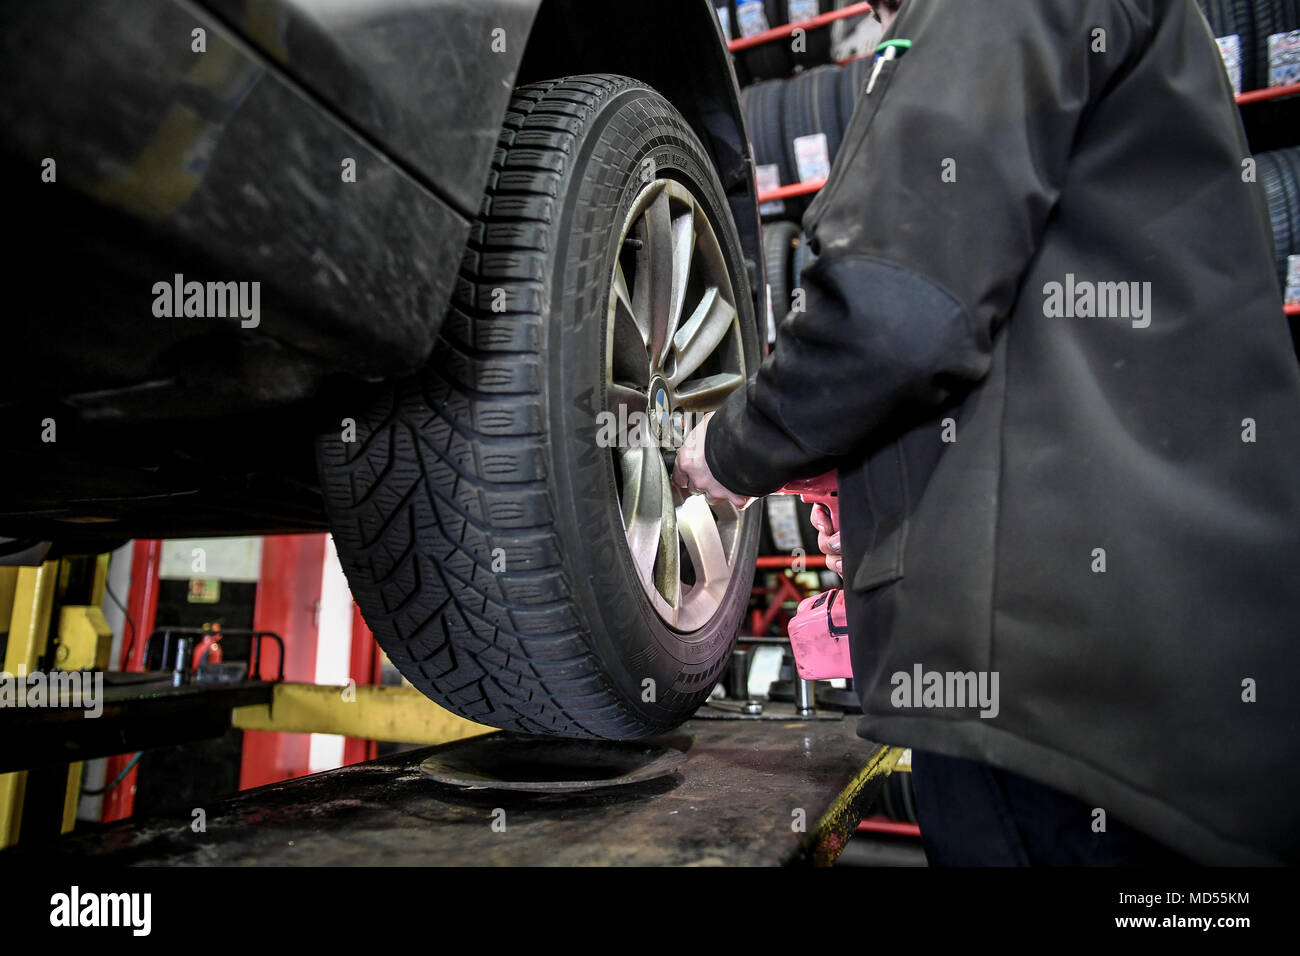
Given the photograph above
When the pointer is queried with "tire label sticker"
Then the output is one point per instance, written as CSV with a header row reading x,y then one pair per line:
x,y
751,17
803,10
783,519
1293,280
1230,50
813,156
1284,58
769,178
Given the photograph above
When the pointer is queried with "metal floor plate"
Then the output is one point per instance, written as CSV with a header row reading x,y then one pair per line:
x,y
542,765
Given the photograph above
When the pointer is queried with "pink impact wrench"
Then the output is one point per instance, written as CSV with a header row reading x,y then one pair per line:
x,y
819,632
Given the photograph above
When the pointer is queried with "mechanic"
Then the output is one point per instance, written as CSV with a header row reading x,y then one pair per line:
x,y
1100,505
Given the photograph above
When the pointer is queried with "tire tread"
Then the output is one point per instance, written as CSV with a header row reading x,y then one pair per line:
x,y
464,447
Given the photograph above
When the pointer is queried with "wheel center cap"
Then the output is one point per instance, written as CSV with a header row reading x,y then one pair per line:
x,y
659,408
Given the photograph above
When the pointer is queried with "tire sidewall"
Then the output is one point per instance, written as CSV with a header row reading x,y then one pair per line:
x,y
626,632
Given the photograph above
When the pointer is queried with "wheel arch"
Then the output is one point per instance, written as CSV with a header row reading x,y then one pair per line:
x,y
675,46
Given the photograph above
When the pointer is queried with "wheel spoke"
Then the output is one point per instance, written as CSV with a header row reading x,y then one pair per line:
x,y
643,480
706,394
636,313
702,333
671,312
660,258
703,541
621,396
631,360
683,252
668,571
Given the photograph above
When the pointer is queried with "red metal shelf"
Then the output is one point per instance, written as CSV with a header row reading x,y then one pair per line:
x,y
776,564
777,33
1272,93
1292,309
789,192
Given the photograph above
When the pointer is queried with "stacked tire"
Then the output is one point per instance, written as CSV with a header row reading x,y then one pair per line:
x,y
726,11
779,242
778,58
786,253
1272,17
780,112
787,527
1254,22
1279,175
787,521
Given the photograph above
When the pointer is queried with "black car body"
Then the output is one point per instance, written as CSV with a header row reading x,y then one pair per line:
x,y
333,152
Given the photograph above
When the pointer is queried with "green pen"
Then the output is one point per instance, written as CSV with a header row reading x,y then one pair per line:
x,y
891,50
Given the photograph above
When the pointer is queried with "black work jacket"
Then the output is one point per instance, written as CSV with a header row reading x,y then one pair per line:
x,y
1044,344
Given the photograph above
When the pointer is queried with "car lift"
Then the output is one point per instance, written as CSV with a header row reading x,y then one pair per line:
x,y
750,790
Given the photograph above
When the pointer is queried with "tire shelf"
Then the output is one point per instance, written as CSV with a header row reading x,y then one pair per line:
x,y
779,563
1268,93
812,23
791,191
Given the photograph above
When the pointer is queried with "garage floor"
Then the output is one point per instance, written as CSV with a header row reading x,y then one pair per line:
x,y
749,793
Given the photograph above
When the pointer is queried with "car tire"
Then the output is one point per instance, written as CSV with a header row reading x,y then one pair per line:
x,y
1279,175
803,258
787,527
797,119
773,59
817,46
779,240
767,102
733,29
1237,17
477,512
825,82
1241,14
853,78
1271,16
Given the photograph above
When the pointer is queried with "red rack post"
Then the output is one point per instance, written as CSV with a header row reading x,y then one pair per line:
x,y
142,605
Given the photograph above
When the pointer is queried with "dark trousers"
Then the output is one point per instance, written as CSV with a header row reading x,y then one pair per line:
x,y
972,814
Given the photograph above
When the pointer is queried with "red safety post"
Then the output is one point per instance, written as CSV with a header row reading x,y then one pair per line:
x,y
142,606
287,603
762,621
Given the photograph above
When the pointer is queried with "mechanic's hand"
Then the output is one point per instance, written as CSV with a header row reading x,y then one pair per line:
x,y
827,542
692,473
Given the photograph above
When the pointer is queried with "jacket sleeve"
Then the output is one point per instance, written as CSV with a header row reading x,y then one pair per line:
x,y
949,172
